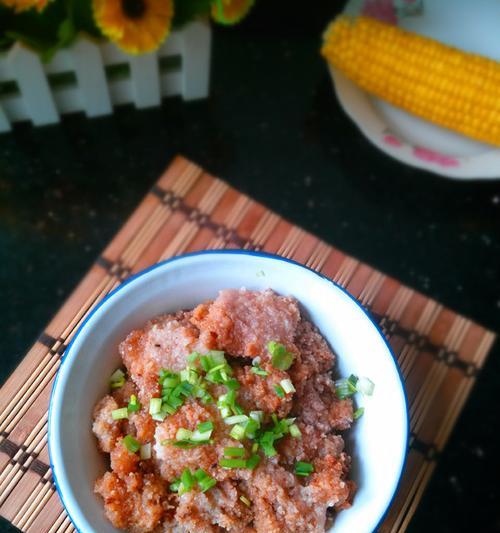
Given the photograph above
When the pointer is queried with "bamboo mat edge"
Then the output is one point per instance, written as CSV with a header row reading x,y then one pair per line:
x,y
199,198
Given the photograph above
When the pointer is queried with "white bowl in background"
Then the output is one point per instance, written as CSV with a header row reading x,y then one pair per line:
x,y
377,442
470,26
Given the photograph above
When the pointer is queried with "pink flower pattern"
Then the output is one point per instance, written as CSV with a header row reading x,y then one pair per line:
x,y
393,141
435,157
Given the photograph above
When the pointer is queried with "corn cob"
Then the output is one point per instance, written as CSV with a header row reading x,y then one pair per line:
x,y
452,88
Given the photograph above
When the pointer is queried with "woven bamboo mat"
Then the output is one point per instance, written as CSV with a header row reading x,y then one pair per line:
x,y
439,352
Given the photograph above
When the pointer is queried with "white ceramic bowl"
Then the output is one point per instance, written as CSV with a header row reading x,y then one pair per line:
x,y
377,443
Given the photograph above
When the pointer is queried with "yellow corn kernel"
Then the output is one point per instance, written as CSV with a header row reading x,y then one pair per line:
x,y
455,89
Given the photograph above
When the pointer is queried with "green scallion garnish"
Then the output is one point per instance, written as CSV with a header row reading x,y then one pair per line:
x,y
280,357
205,482
346,387
233,463
154,406
237,432
117,379
133,404
245,500
256,369
236,419
279,391
205,426
232,451
295,431
187,479
131,444
287,386
251,428
358,413
119,414
175,485
183,434
253,461
303,469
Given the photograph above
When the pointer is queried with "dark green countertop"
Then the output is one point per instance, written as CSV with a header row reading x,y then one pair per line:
x,y
272,128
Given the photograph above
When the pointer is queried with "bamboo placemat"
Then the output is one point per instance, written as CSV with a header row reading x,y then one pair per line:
x,y
439,352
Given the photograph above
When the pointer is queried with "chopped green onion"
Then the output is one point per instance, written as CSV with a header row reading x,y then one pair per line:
x,y
159,417
133,405
170,383
217,356
237,409
346,387
246,501
184,444
259,371
279,391
358,413
303,469
365,386
287,386
200,474
258,416
253,461
295,431
187,479
251,427
174,402
205,426
131,444
225,412
174,486
166,409
154,406
232,451
236,419
205,362
145,451
117,379
192,357
238,432
205,482
199,436
267,443
232,384
280,357
184,389
233,463
216,368
183,434
255,447
119,414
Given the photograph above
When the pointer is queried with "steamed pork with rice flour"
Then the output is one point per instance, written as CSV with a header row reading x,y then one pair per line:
x,y
225,418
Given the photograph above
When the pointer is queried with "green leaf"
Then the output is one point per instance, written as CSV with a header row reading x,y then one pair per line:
x,y
83,19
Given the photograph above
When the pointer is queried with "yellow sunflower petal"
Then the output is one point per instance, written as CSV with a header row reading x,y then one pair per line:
x,y
140,33
230,11
23,5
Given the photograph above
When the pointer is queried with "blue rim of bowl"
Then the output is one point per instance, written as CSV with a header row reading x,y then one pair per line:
x,y
229,252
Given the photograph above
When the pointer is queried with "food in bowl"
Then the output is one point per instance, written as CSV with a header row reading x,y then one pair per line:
x,y
226,418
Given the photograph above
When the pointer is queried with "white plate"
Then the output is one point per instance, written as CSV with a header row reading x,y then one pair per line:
x,y
468,25
378,441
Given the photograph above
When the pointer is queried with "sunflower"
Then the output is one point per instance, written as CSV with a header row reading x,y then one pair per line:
x,y
230,11
136,26
24,5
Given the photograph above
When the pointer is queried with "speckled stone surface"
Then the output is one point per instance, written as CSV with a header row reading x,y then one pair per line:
x,y
272,128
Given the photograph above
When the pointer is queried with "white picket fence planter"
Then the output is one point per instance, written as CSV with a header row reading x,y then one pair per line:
x,y
93,76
